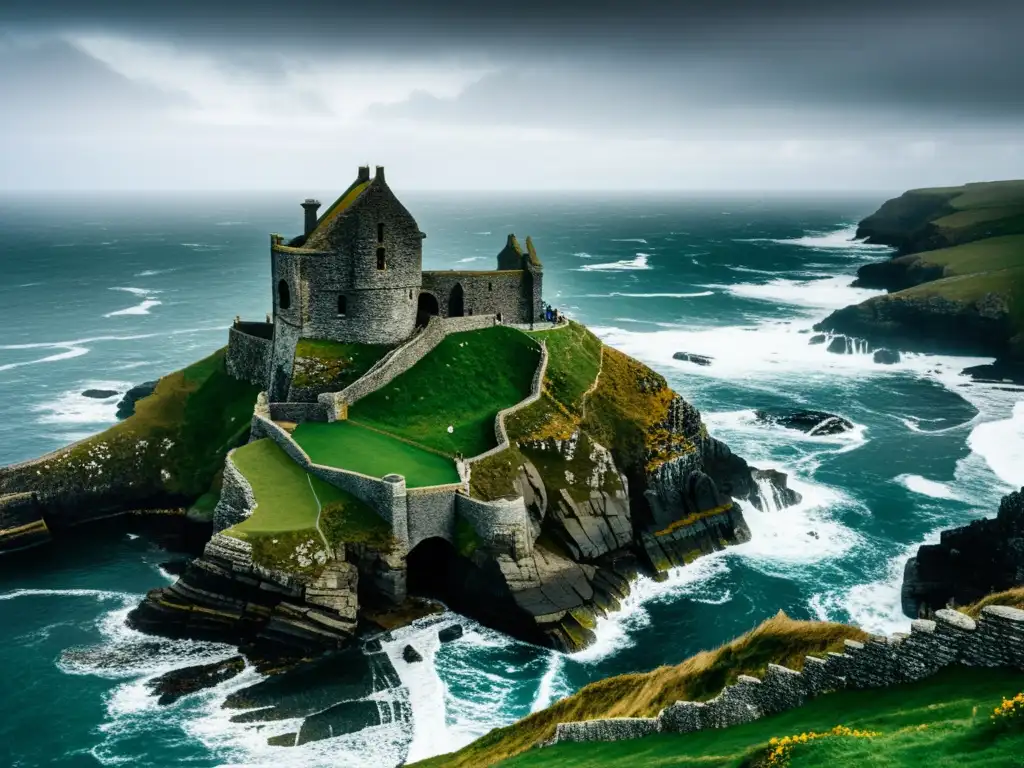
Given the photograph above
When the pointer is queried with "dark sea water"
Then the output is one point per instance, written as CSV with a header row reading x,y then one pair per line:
x,y
109,291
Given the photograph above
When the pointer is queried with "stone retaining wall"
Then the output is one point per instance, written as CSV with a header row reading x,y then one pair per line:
x,y
399,361
298,412
503,524
248,355
499,421
237,501
995,640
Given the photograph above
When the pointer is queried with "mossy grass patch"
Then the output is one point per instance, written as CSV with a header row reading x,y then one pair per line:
x,y
351,446
320,363
282,528
171,449
462,383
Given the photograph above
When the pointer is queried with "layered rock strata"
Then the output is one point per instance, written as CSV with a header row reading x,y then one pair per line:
x,y
969,562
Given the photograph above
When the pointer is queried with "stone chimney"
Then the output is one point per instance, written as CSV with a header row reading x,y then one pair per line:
x,y
364,174
379,176
310,206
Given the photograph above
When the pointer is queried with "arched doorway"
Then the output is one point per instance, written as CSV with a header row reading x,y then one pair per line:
x,y
434,570
284,296
456,302
426,307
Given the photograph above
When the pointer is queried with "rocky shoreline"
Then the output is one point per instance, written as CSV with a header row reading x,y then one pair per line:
x,y
968,563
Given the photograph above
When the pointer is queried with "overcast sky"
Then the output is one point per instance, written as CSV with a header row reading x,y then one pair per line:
x,y
453,94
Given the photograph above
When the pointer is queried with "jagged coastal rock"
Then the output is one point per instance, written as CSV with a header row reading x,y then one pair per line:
x,y
968,563
126,405
811,422
465,450
690,357
954,282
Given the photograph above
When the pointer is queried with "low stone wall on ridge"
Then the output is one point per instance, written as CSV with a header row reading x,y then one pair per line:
x,y
996,639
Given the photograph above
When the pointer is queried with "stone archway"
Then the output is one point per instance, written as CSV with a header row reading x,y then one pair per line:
x,y
426,307
456,301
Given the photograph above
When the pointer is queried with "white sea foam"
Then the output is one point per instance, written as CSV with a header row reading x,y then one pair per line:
x,y
824,293
785,540
697,581
638,263
766,353
471,258
152,272
481,233
72,407
138,309
746,421
583,255
98,594
1001,444
694,295
71,350
629,240
840,239
926,487
552,686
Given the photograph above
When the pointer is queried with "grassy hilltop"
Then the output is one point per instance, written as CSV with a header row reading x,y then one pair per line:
x,y
956,282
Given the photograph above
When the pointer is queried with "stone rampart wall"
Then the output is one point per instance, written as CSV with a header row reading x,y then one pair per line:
x,y
248,356
399,361
237,501
432,513
995,640
298,412
503,525
500,434
507,293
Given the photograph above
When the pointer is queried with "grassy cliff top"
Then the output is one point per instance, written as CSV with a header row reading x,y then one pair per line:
x,y
922,219
349,445
283,527
462,383
941,721
780,640
169,451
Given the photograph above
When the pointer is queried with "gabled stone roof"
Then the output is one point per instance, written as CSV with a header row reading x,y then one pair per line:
x,y
318,237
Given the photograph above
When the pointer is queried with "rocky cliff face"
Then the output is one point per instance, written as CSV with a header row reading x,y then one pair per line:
x,y
928,323
969,562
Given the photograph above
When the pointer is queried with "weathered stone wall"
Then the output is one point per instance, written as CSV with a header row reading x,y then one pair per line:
x,y
503,525
395,364
500,433
248,356
298,412
286,337
431,512
340,259
995,640
505,293
237,501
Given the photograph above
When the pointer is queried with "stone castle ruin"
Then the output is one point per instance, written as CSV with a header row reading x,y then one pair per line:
x,y
355,275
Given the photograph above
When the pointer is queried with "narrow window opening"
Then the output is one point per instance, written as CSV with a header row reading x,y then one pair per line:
x,y
381,261
471,311
284,296
410,295
342,305
380,233
490,286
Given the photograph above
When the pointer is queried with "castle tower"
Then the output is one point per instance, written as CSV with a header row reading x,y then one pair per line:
x,y
309,207
357,275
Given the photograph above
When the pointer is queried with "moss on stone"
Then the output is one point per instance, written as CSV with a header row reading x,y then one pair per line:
x,y
333,365
347,520
467,540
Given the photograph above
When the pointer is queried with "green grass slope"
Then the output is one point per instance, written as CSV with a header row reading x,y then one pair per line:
x,y
347,445
282,528
941,721
462,383
170,450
